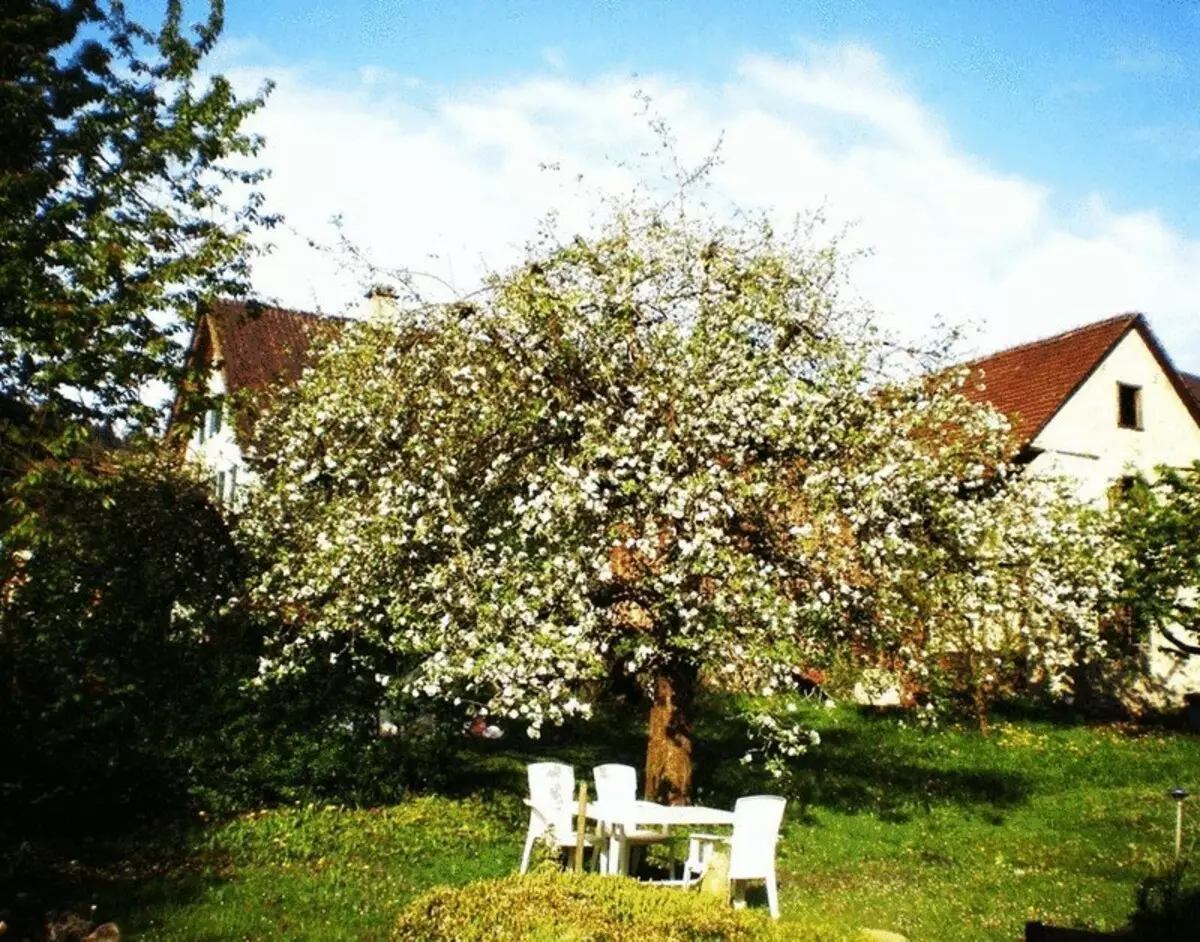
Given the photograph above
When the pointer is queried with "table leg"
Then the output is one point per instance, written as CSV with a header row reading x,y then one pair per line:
x,y
623,858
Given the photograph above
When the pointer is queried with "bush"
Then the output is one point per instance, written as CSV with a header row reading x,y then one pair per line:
x,y
548,905
126,652
1168,906
316,738
118,643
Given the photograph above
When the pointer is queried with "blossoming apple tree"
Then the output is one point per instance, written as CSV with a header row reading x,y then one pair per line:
x,y
662,448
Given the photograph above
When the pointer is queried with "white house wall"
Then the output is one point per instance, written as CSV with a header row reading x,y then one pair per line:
x,y
1084,440
219,453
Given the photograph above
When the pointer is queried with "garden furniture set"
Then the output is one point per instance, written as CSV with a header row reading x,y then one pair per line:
x,y
621,826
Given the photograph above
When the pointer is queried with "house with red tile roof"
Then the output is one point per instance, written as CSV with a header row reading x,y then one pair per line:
x,y
247,352
1095,404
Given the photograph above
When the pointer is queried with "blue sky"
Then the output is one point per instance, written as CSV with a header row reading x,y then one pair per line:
x,y
1083,115
1087,94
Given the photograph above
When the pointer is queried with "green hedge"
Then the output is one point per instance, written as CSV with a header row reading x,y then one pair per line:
x,y
548,905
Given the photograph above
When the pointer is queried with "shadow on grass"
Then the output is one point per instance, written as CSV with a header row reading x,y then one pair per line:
x,y
1168,910
99,878
863,767
854,771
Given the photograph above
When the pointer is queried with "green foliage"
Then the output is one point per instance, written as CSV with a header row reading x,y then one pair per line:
x,y
126,658
117,645
317,738
119,160
1158,529
550,905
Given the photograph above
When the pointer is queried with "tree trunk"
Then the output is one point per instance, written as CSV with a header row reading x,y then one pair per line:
x,y
669,750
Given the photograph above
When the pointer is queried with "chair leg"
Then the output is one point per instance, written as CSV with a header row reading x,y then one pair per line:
x,y
529,839
613,867
772,894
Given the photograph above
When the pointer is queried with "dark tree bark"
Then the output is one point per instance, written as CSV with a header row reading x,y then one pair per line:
x,y
669,749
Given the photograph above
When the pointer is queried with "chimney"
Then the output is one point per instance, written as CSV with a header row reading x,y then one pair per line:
x,y
381,302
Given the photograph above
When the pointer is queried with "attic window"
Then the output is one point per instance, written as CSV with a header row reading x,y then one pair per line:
x,y
1129,406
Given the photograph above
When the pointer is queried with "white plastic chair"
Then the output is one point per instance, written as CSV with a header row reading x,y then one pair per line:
x,y
551,808
616,788
756,823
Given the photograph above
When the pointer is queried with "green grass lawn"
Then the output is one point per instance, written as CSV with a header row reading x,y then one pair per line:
x,y
942,835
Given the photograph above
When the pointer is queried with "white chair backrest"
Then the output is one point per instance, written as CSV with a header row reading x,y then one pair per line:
x,y
551,785
616,785
756,823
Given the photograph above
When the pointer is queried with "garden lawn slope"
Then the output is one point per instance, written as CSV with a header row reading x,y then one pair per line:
x,y
939,836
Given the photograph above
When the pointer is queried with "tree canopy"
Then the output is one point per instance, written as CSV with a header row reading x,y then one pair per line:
x,y
665,448
126,201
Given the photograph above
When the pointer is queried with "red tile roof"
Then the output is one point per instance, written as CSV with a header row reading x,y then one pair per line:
x,y
1192,383
261,347
1031,382
258,348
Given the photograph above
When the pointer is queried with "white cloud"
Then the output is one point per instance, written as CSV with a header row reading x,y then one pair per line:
x,y
449,181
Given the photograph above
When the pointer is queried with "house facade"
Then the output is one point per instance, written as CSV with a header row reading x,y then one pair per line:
x,y
1096,405
246,353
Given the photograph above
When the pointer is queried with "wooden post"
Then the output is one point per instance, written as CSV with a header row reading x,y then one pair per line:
x,y
580,826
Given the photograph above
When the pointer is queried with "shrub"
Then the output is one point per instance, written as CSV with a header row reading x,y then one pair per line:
x,y
1168,905
126,654
118,643
316,738
548,905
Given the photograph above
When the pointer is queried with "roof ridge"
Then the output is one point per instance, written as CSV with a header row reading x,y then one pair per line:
x,y
315,315
1131,316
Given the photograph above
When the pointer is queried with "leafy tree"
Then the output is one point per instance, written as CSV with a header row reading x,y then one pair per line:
x,y
119,162
1158,531
668,447
117,650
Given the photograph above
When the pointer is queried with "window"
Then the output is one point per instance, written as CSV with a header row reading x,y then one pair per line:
x,y
232,484
220,486
1129,406
214,422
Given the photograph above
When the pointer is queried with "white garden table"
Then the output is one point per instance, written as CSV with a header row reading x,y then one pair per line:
x,y
616,819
